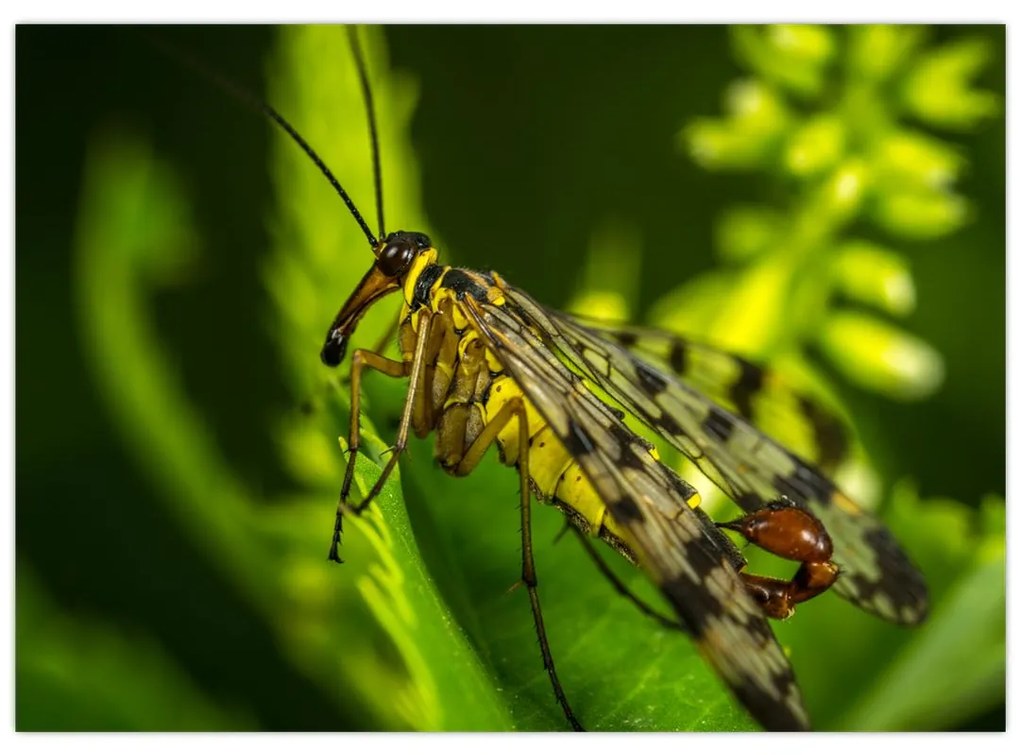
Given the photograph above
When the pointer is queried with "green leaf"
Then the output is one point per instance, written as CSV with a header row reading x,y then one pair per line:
x,y
621,670
966,632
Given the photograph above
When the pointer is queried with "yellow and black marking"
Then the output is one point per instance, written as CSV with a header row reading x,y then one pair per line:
x,y
488,366
762,398
748,465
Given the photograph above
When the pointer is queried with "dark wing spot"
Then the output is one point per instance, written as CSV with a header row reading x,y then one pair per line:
x,y
667,425
820,485
830,436
652,382
749,383
623,435
718,424
790,487
769,693
903,582
805,484
701,604
625,511
577,442
678,357
625,338
629,460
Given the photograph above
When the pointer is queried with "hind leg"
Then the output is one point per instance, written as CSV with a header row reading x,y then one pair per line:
x,y
511,411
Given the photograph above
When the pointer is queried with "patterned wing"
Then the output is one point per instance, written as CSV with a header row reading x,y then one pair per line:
x,y
673,544
749,466
762,397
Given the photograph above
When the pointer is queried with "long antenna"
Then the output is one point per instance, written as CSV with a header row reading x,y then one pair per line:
x,y
366,90
260,105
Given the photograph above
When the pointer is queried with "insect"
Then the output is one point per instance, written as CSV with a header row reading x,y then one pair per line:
x,y
488,366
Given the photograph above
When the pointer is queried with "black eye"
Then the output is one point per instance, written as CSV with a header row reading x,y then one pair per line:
x,y
395,257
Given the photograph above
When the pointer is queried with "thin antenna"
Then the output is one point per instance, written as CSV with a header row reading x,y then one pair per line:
x,y
256,103
366,90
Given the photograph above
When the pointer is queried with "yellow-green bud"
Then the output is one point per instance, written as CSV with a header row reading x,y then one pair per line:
x,y
815,146
909,158
920,214
872,274
938,89
880,356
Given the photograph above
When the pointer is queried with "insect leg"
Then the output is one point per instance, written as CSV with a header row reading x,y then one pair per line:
x,y
514,409
362,359
792,533
621,588
378,349
359,361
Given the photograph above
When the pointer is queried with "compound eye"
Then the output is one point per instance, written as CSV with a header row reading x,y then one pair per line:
x,y
395,258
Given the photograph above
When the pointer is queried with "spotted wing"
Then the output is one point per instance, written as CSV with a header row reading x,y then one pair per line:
x,y
760,396
748,465
673,544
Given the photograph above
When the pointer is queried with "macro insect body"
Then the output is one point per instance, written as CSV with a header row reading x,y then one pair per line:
x,y
486,365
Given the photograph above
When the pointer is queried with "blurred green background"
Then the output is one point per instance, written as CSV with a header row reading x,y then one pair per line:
x,y
177,263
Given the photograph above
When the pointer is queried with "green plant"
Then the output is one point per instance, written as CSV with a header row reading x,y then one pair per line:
x,y
831,116
417,630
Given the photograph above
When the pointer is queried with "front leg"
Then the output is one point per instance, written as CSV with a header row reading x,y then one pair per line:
x,y
362,359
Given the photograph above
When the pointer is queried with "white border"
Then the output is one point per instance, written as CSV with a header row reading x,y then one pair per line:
x,y
633,11
19,11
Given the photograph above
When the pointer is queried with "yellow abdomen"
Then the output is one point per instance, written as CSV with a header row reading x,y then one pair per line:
x,y
555,474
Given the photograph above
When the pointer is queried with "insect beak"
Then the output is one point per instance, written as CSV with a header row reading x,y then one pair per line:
x,y
374,285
